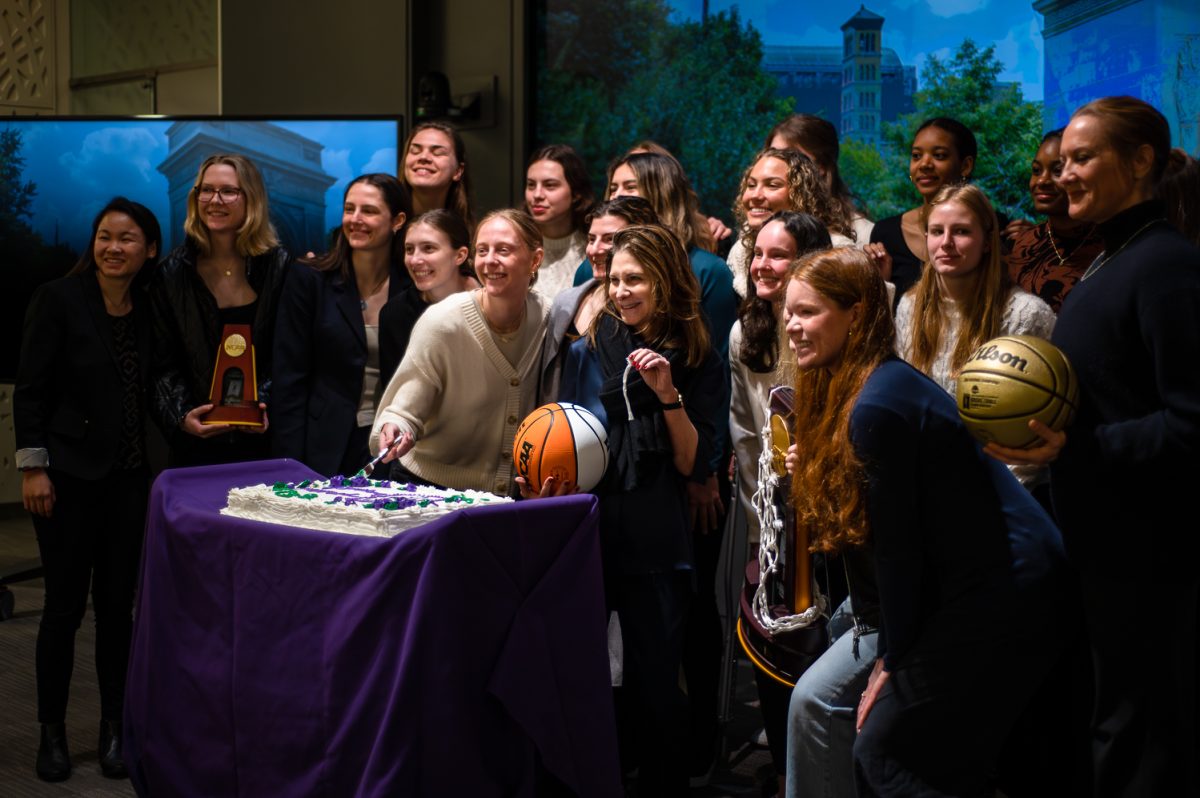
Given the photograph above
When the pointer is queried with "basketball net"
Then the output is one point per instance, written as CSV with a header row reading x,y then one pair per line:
x,y
770,528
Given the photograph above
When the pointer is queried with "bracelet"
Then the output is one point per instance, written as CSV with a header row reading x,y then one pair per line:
x,y
676,405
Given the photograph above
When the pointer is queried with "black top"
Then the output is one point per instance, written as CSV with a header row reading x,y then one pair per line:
x,y
320,359
72,384
1129,328
906,266
961,549
396,322
130,449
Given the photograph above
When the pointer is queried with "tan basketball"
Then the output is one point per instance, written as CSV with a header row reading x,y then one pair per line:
x,y
1010,380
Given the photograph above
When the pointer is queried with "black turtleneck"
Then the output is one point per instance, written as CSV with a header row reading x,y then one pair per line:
x,y
1131,329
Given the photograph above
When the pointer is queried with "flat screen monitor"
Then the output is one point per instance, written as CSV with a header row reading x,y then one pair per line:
x,y
57,172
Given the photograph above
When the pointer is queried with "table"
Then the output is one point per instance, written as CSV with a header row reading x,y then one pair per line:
x,y
465,657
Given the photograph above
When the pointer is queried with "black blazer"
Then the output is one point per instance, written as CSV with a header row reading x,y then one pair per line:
x,y
69,394
320,355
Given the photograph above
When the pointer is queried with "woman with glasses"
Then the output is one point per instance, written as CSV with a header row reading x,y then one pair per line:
x,y
229,270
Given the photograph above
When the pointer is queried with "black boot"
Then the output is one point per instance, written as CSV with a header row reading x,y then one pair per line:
x,y
112,764
53,761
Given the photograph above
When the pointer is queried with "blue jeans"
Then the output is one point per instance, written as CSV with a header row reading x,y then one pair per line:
x,y
822,714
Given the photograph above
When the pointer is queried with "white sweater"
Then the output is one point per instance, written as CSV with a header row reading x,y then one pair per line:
x,y
562,259
460,398
749,392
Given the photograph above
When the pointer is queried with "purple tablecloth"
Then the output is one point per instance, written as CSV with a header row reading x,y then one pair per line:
x,y
269,660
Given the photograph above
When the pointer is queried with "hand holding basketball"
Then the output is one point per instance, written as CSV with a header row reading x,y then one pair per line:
x,y
550,488
561,447
1040,454
656,372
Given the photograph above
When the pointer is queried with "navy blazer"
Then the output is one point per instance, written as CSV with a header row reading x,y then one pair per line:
x,y
69,394
319,359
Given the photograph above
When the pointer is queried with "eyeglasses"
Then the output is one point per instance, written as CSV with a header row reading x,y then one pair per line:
x,y
226,193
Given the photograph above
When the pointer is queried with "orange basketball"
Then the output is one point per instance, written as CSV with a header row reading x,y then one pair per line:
x,y
563,441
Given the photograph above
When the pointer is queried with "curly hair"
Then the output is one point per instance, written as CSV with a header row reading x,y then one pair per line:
x,y
818,139
982,311
829,483
676,321
806,193
760,317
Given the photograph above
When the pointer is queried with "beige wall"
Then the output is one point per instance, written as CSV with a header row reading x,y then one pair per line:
x,y
291,56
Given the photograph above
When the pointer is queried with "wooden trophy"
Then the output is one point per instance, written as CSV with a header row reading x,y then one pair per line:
x,y
234,391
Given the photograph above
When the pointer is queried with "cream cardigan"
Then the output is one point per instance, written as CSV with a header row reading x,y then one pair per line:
x,y
460,398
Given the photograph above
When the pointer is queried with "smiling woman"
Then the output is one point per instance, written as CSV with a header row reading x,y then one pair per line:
x,y
328,373
435,170
78,416
470,373
230,270
661,386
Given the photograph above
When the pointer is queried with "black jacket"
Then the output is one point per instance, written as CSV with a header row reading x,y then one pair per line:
x,y
320,357
68,397
187,330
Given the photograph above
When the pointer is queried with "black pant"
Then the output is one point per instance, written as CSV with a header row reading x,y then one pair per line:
x,y
652,718
704,641
94,535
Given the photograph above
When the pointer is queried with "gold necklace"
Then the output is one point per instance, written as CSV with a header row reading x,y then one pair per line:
x,y
504,335
1097,265
1062,261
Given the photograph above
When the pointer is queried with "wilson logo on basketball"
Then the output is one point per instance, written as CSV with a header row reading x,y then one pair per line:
x,y
992,352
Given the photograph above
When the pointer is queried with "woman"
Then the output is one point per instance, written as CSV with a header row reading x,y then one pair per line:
x,y
760,360
660,180
558,195
662,385
435,170
818,139
470,375
964,297
229,270
1047,259
1126,467
79,406
570,371
943,153
887,470
328,373
437,251
781,180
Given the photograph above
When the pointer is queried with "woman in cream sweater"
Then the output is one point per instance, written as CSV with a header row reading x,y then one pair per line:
x,y
470,373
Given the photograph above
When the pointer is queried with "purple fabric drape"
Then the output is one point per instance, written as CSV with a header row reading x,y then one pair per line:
x,y
274,661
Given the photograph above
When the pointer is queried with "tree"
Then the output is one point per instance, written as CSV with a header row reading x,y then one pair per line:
x,y
16,198
1007,128
621,72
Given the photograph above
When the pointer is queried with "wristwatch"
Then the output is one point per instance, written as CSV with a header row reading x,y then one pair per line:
x,y
676,405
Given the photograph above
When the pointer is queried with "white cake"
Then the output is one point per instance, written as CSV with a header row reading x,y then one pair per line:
x,y
351,504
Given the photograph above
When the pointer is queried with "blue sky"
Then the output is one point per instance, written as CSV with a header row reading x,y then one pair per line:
x,y
915,29
79,165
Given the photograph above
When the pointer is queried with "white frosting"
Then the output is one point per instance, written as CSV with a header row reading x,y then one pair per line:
x,y
338,506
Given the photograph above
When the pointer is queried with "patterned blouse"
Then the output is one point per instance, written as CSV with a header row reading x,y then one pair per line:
x,y
1048,263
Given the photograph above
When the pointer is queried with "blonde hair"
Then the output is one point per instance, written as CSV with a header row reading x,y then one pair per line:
x,y
829,484
526,228
256,235
982,311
